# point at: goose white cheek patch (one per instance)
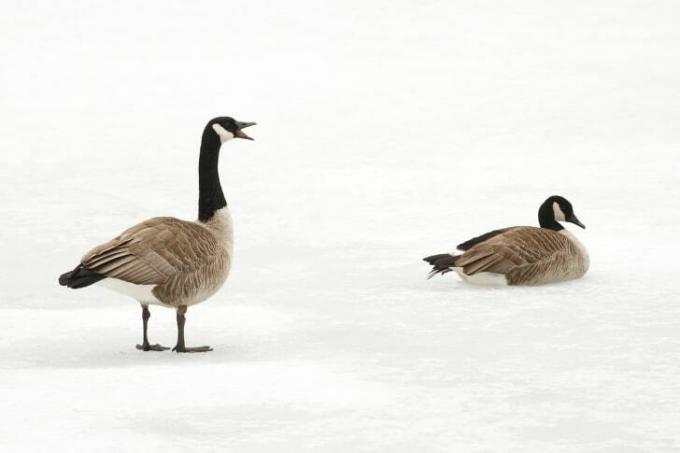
(224, 134)
(559, 215)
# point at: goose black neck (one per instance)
(546, 217)
(210, 195)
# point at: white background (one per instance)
(388, 131)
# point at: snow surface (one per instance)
(387, 131)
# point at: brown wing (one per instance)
(513, 249)
(153, 251)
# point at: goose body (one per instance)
(167, 261)
(522, 255)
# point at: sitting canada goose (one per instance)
(171, 262)
(521, 255)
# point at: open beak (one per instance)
(573, 219)
(242, 125)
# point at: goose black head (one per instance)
(227, 128)
(557, 209)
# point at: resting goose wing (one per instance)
(154, 251)
(514, 249)
(555, 267)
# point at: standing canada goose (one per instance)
(521, 255)
(167, 261)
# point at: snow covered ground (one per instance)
(388, 130)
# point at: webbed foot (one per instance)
(194, 349)
(151, 347)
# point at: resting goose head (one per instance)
(557, 209)
(227, 128)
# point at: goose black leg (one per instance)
(145, 346)
(180, 346)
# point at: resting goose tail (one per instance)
(441, 264)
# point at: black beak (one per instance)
(239, 131)
(573, 219)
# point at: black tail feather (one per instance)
(441, 264)
(80, 277)
(435, 258)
